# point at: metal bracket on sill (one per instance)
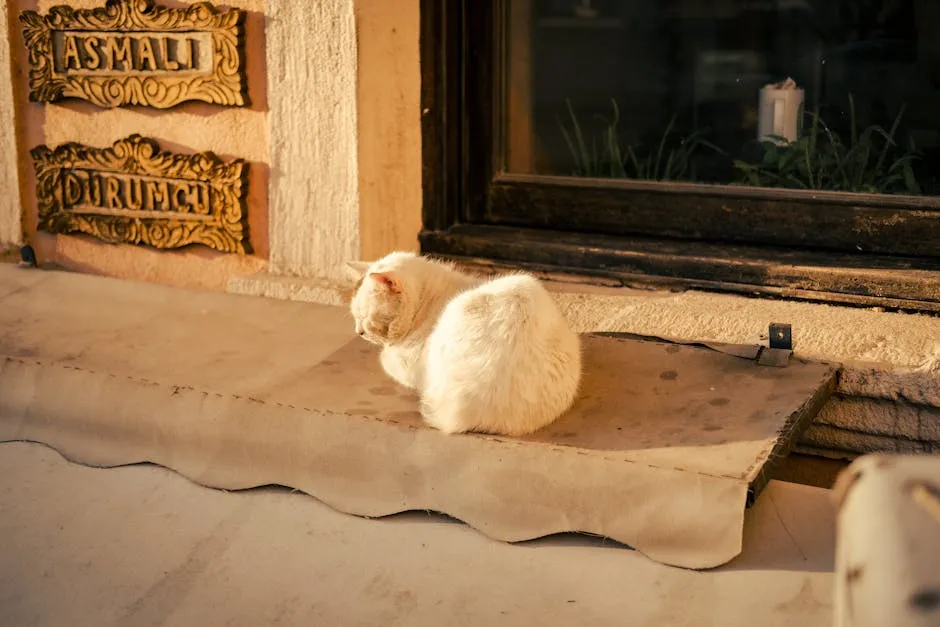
(781, 346)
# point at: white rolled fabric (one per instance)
(888, 542)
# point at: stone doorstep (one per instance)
(836, 443)
(284, 287)
(849, 426)
(39, 310)
(881, 417)
(906, 386)
(703, 429)
(857, 379)
(845, 429)
(872, 411)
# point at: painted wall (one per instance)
(187, 128)
(389, 100)
(11, 230)
(345, 127)
(332, 136)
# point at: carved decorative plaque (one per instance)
(131, 52)
(135, 193)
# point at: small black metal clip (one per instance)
(781, 346)
(781, 336)
(28, 255)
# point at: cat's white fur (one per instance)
(487, 356)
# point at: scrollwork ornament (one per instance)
(172, 220)
(223, 82)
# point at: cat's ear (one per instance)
(388, 280)
(357, 269)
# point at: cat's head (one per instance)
(385, 300)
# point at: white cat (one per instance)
(486, 356)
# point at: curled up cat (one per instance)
(491, 356)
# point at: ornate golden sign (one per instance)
(134, 193)
(132, 52)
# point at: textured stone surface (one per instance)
(828, 441)
(144, 546)
(311, 71)
(861, 338)
(283, 287)
(10, 205)
(916, 387)
(882, 417)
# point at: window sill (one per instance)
(860, 280)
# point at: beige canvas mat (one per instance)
(660, 452)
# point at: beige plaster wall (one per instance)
(188, 128)
(345, 142)
(10, 222)
(333, 136)
(389, 104)
(311, 73)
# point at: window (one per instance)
(780, 147)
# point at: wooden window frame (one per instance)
(857, 249)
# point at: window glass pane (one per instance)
(839, 95)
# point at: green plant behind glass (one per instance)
(868, 162)
(609, 158)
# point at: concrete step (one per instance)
(143, 546)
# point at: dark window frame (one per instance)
(858, 249)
